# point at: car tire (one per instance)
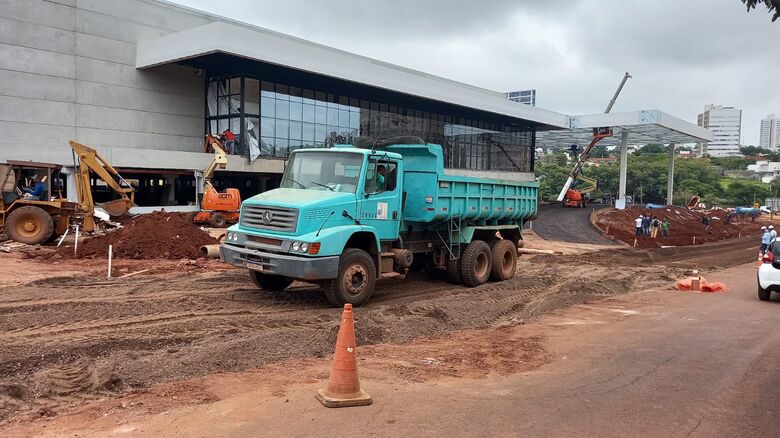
(763, 294)
(355, 281)
(269, 282)
(475, 263)
(504, 263)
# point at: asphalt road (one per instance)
(679, 364)
(567, 224)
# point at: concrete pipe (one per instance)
(210, 251)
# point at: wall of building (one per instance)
(770, 133)
(67, 71)
(725, 124)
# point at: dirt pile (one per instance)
(155, 235)
(684, 224)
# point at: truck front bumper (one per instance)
(297, 267)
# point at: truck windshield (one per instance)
(333, 171)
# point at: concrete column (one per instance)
(621, 202)
(670, 178)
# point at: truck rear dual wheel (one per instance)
(504, 253)
(453, 271)
(355, 281)
(269, 282)
(29, 224)
(476, 263)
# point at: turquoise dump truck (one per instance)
(344, 216)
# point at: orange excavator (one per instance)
(217, 208)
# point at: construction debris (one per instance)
(155, 235)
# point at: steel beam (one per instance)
(670, 177)
(623, 169)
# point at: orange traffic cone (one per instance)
(696, 281)
(344, 384)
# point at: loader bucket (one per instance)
(117, 207)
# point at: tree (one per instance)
(772, 5)
(752, 151)
(652, 149)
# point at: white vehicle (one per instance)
(769, 272)
(765, 209)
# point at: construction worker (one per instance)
(766, 238)
(665, 228)
(646, 225)
(772, 231)
(655, 224)
(229, 139)
(36, 189)
(638, 223)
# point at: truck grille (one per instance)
(263, 217)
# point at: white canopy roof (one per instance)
(264, 45)
(649, 126)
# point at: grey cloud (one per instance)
(683, 54)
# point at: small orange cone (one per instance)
(344, 384)
(696, 281)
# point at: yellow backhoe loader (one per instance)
(38, 219)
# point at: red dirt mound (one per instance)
(149, 236)
(684, 224)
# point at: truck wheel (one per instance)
(268, 282)
(475, 263)
(218, 220)
(453, 271)
(356, 279)
(763, 294)
(30, 225)
(504, 260)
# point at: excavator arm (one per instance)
(90, 160)
(219, 162)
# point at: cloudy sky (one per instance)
(682, 54)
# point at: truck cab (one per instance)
(344, 216)
(329, 201)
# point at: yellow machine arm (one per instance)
(589, 186)
(219, 162)
(90, 160)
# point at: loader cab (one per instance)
(15, 176)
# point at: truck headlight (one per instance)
(304, 246)
(296, 246)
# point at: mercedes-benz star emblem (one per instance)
(267, 217)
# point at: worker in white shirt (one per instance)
(773, 232)
(638, 224)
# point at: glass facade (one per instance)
(271, 119)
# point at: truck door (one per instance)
(381, 204)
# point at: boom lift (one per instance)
(217, 208)
(38, 221)
(570, 196)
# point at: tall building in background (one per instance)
(527, 97)
(725, 122)
(770, 133)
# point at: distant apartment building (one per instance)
(770, 133)
(765, 170)
(725, 122)
(527, 97)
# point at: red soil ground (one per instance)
(155, 235)
(684, 225)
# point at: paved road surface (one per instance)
(567, 224)
(666, 363)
